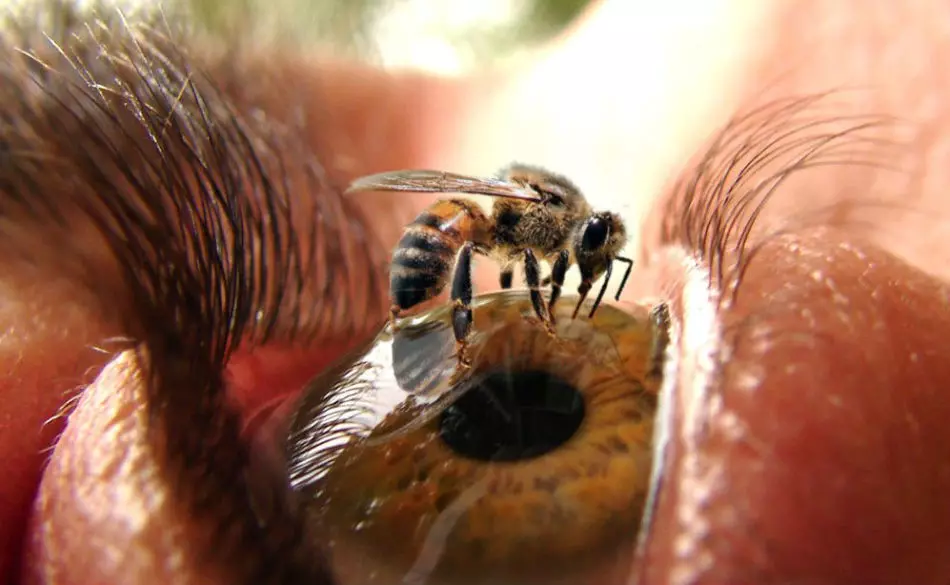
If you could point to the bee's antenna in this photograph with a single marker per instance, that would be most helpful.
(603, 289)
(626, 274)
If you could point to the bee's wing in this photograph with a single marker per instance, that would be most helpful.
(423, 181)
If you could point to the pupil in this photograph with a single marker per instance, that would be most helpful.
(512, 416)
(595, 235)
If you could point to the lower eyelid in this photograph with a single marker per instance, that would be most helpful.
(817, 443)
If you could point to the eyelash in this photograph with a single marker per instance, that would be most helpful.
(161, 150)
(714, 209)
(222, 175)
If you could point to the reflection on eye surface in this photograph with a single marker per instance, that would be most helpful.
(454, 488)
(532, 469)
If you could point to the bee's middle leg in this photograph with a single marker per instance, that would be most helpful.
(532, 273)
(462, 301)
(558, 272)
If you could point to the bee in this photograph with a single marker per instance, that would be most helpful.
(536, 216)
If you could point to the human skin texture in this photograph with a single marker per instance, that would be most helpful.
(809, 448)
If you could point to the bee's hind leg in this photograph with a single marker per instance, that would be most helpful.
(506, 278)
(462, 301)
(532, 273)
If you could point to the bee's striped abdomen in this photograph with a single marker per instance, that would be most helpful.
(426, 252)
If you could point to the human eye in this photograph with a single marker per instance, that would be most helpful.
(533, 468)
(765, 414)
(789, 335)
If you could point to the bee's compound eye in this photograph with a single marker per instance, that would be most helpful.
(533, 469)
(595, 234)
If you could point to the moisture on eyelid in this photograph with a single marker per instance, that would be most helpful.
(533, 470)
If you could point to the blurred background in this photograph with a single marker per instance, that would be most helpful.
(445, 36)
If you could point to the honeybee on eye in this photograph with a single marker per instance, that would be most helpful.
(536, 216)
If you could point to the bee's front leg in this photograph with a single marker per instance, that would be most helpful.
(532, 273)
(462, 301)
(587, 281)
(582, 291)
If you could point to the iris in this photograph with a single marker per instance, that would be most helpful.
(533, 468)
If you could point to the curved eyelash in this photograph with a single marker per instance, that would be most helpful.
(110, 139)
(200, 226)
(714, 210)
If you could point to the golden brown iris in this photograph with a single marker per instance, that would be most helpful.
(534, 469)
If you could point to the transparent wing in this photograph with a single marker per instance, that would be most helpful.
(424, 181)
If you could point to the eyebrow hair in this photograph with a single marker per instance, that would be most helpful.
(125, 168)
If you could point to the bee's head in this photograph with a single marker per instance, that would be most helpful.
(597, 240)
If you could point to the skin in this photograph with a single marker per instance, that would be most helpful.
(818, 461)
